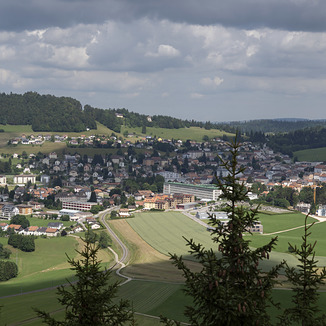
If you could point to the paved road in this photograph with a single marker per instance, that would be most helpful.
(125, 252)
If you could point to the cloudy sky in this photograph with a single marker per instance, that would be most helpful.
(216, 60)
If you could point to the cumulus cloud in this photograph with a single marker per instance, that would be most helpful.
(303, 15)
(143, 55)
(164, 50)
(211, 82)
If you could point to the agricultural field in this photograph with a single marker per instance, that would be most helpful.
(311, 155)
(156, 287)
(165, 231)
(280, 222)
(195, 133)
(145, 261)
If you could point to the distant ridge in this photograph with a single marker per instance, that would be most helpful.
(65, 114)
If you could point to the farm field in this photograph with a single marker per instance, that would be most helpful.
(146, 262)
(195, 133)
(311, 155)
(165, 231)
(45, 267)
(279, 222)
(150, 296)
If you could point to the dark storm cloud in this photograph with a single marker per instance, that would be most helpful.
(296, 15)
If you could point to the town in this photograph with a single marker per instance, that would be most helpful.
(150, 174)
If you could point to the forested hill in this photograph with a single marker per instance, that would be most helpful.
(44, 112)
(274, 125)
(51, 113)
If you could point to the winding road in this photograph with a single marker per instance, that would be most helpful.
(125, 252)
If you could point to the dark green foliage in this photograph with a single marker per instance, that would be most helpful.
(8, 270)
(4, 252)
(305, 280)
(93, 199)
(20, 220)
(282, 197)
(114, 214)
(96, 208)
(92, 237)
(104, 240)
(89, 301)
(65, 218)
(231, 288)
(22, 242)
(290, 142)
(44, 112)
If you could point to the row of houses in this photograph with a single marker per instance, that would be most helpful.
(164, 201)
(52, 230)
(8, 210)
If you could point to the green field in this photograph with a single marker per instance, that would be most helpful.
(311, 155)
(165, 231)
(11, 131)
(279, 222)
(193, 133)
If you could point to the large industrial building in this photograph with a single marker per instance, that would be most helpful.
(206, 191)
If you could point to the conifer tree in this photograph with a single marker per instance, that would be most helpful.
(231, 288)
(305, 280)
(90, 300)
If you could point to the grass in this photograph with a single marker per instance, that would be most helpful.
(150, 298)
(311, 155)
(153, 297)
(42, 222)
(146, 262)
(165, 231)
(294, 237)
(279, 222)
(193, 133)
(47, 266)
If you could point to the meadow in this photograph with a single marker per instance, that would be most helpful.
(165, 231)
(183, 134)
(156, 288)
(11, 131)
(311, 155)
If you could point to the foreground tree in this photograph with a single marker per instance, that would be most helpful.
(90, 301)
(231, 288)
(305, 280)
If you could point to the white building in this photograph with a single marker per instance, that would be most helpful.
(3, 180)
(200, 191)
(24, 178)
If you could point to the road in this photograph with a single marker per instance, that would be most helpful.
(125, 252)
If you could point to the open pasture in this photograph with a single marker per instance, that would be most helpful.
(47, 266)
(311, 155)
(280, 222)
(193, 133)
(151, 298)
(43, 222)
(165, 231)
(318, 232)
(145, 261)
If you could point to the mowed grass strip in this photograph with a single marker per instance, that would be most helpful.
(164, 231)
